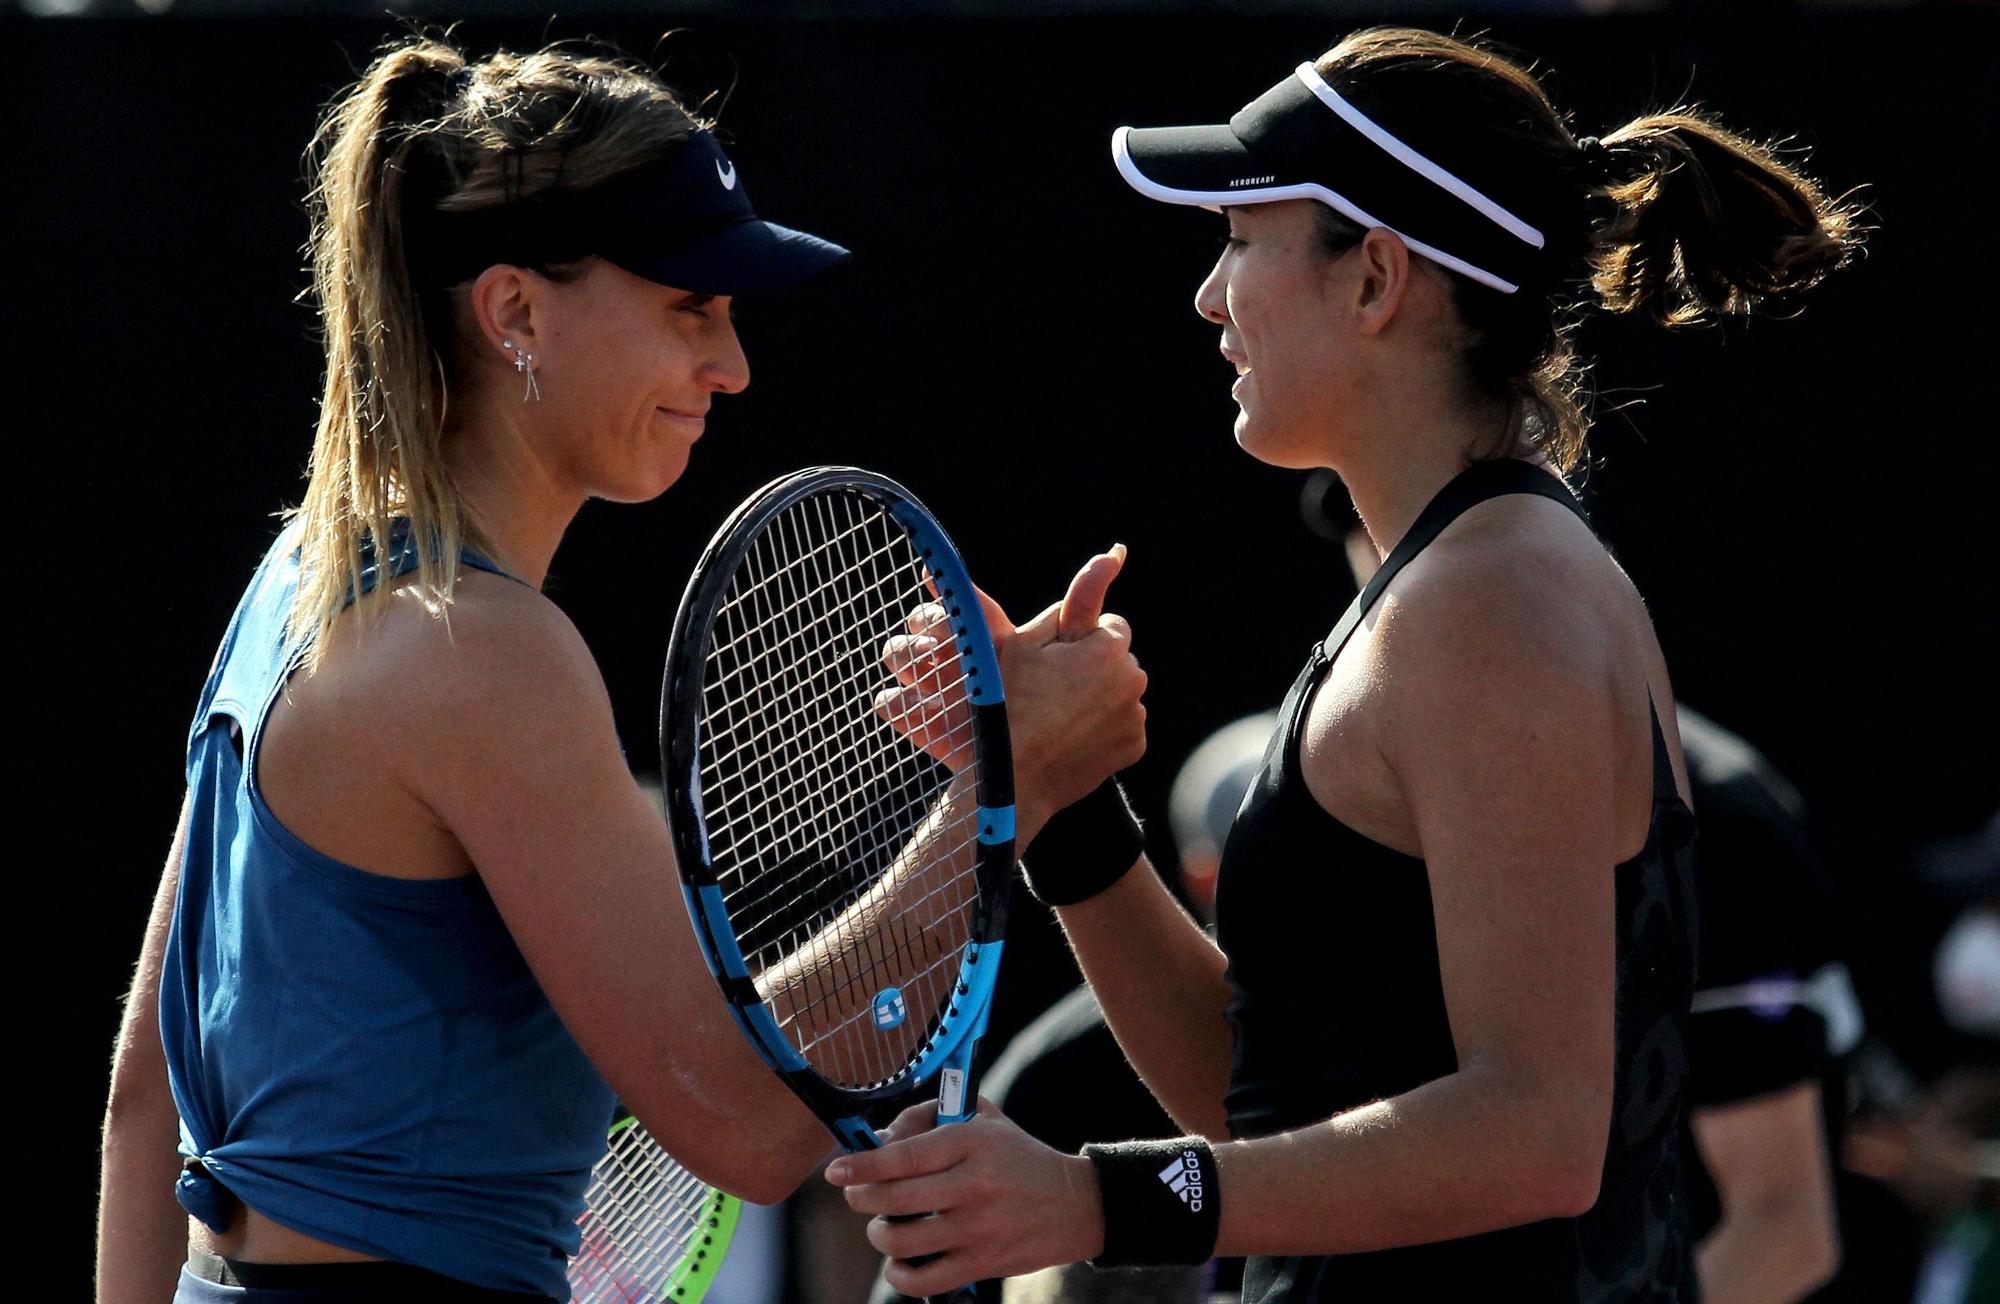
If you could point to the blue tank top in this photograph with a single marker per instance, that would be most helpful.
(364, 1059)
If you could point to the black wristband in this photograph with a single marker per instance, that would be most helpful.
(1085, 847)
(1162, 1203)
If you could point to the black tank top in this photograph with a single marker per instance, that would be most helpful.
(1337, 1002)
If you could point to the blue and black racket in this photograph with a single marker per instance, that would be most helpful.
(835, 758)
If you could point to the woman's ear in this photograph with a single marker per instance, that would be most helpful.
(503, 303)
(1382, 280)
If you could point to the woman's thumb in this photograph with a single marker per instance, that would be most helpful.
(1084, 602)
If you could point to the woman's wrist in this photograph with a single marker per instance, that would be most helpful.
(1160, 1202)
(1084, 848)
(1085, 1210)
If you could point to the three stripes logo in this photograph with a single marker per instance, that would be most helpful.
(1183, 1178)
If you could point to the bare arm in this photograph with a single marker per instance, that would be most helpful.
(1501, 697)
(141, 1230)
(1159, 979)
(506, 732)
(1777, 1240)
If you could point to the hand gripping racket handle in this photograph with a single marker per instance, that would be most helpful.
(957, 1102)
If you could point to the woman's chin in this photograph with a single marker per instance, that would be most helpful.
(651, 481)
(1273, 447)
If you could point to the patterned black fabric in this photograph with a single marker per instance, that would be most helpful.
(1337, 1002)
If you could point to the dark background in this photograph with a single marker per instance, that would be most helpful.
(1807, 504)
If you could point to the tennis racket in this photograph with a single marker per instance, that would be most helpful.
(651, 1229)
(841, 791)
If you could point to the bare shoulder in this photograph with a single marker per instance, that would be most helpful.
(1514, 658)
(500, 664)
(497, 639)
(1516, 590)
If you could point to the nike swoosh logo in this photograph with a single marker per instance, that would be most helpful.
(726, 175)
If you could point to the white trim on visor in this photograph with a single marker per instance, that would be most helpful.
(1414, 161)
(1121, 153)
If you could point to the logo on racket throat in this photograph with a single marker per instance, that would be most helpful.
(1183, 1178)
(890, 1008)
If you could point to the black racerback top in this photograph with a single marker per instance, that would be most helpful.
(1337, 1002)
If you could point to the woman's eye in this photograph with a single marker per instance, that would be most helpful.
(1232, 241)
(701, 305)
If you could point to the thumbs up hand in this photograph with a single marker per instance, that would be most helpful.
(1073, 694)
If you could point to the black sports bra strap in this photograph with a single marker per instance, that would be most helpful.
(1469, 488)
(1664, 787)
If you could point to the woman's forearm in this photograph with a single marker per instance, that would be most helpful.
(1160, 981)
(1468, 1153)
(141, 1230)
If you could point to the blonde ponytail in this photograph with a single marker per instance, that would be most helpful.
(427, 132)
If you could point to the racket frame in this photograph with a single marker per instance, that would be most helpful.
(950, 1048)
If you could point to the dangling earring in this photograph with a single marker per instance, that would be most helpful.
(525, 364)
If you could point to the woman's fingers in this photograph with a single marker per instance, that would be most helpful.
(938, 1276)
(935, 1193)
(910, 1238)
(928, 619)
(912, 658)
(1083, 604)
(918, 1118)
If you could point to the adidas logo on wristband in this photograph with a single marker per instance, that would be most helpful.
(1183, 1178)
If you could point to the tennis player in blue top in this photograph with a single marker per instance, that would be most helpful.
(419, 924)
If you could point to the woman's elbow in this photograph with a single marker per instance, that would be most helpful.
(759, 1156)
(1565, 1168)
(1571, 1191)
(1559, 1141)
(745, 1170)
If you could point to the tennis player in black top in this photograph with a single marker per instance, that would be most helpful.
(1437, 1050)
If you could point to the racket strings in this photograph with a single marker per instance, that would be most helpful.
(866, 743)
(812, 783)
(837, 970)
(750, 665)
(847, 865)
(642, 1212)
(821, 1016)
(867, 844)
(806, 697)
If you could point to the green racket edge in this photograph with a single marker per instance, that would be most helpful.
(691, 1280)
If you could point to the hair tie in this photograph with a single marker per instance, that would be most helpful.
(1595, 157)
(459, 79)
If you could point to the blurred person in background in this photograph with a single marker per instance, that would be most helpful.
(1773, 1018)
(1928, 1126)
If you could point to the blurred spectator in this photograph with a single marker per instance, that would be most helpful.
(1936, 1146)
(1772, 1012)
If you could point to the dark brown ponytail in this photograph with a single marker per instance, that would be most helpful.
(1670, 214)
(1708, 224)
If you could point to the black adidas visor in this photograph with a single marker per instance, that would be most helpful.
(683, 221)
(1303, 140)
